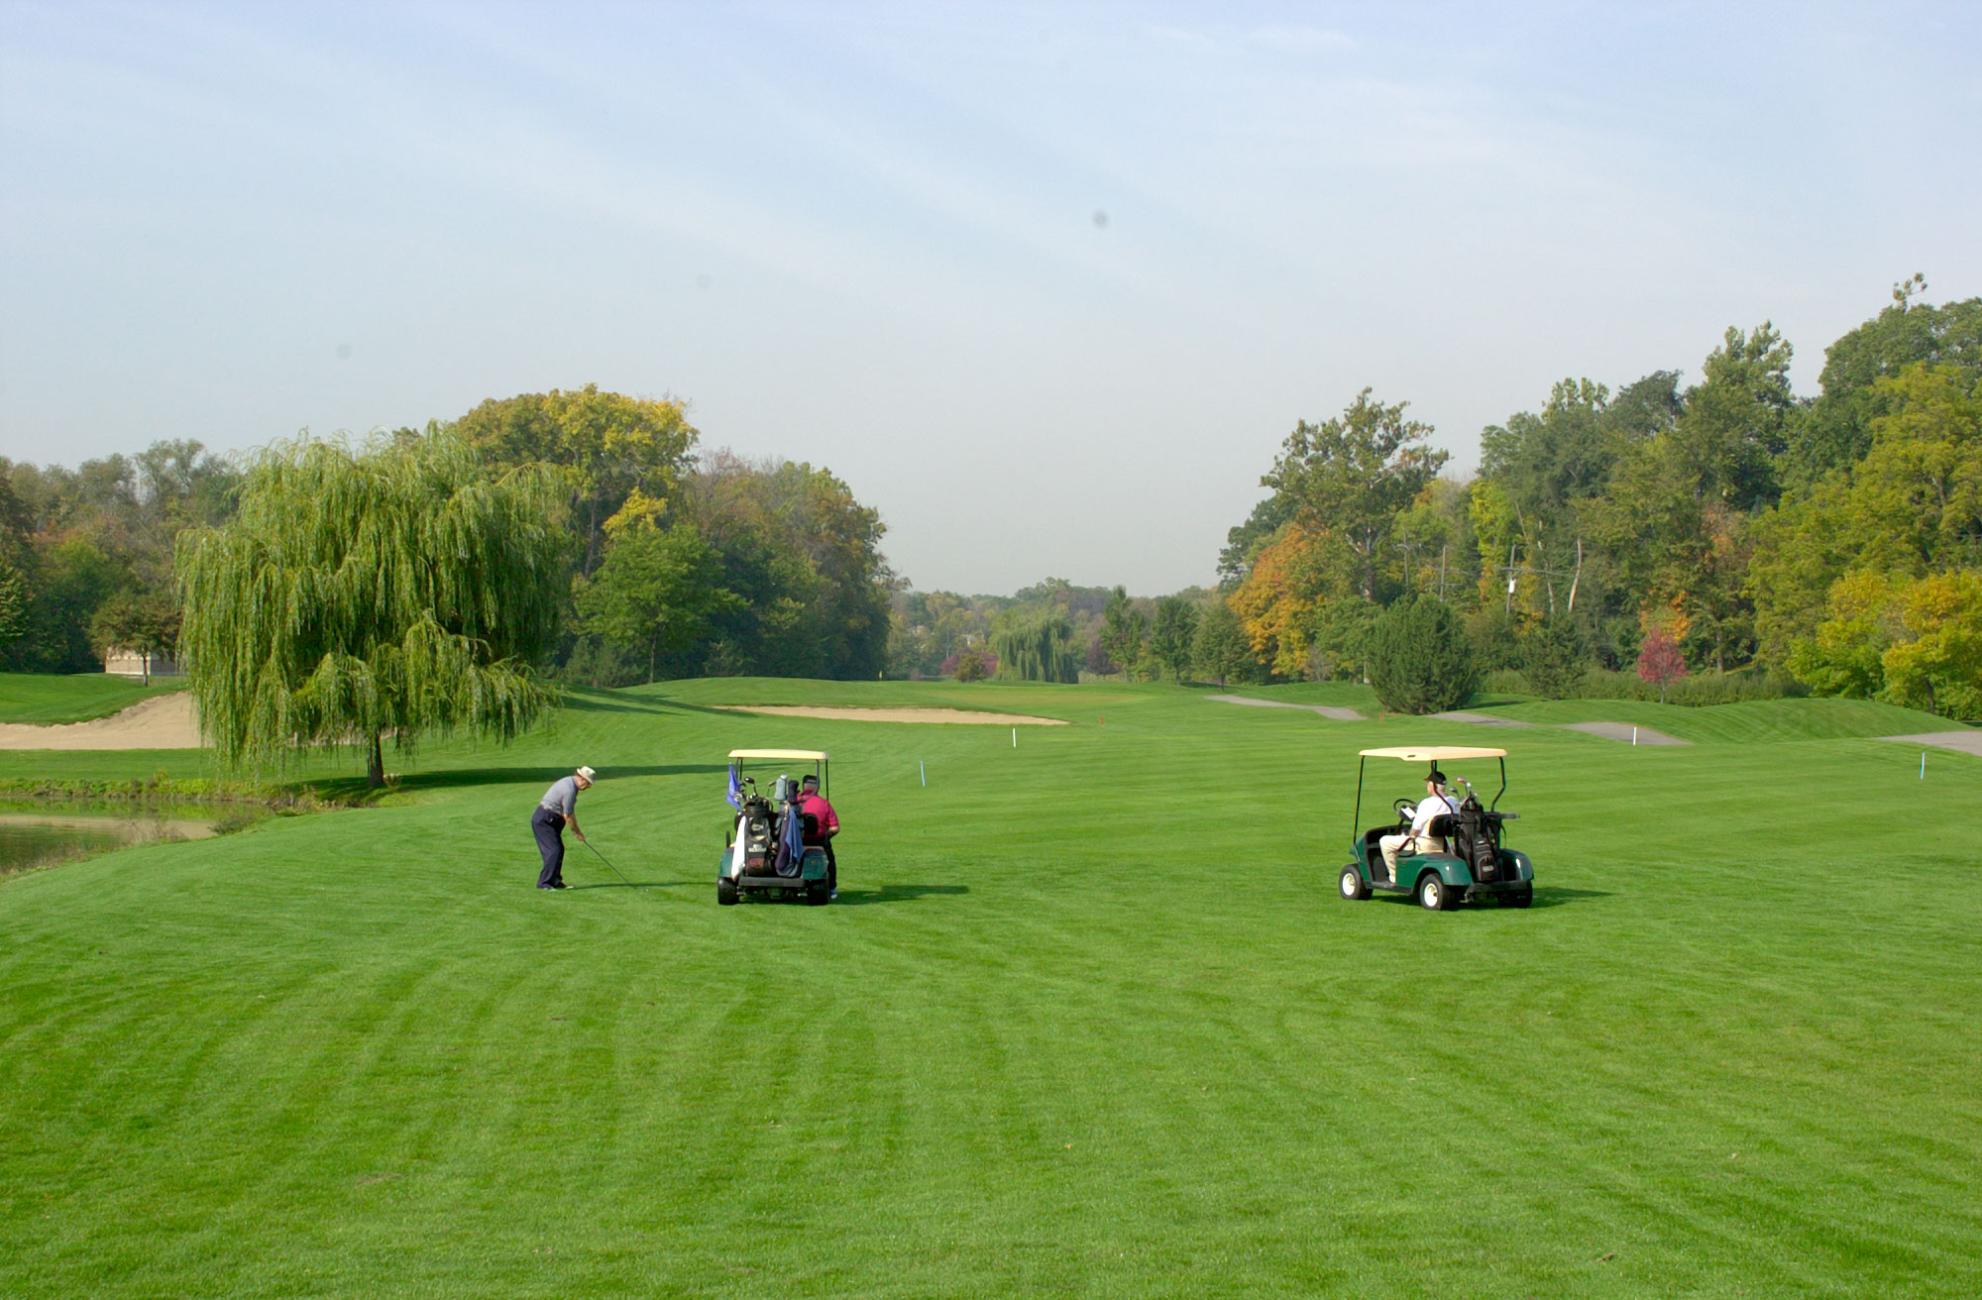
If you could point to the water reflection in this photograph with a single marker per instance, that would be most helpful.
(40, 833)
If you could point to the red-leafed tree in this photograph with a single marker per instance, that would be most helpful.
(1659, 661)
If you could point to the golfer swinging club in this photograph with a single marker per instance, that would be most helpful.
(558, 806)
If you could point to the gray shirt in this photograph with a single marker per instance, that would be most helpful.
(562, 797)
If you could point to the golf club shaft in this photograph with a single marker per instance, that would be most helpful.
(608, 861)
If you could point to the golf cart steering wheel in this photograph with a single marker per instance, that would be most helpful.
(1404, 808)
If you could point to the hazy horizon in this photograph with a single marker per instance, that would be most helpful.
(1038, 283)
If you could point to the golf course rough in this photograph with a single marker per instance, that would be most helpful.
(1088, 1018)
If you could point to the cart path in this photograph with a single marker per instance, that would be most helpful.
(1624, 731)
(162, 722)
(1968, 742)
(965, 717)
(1325, 710)
(1480, 719)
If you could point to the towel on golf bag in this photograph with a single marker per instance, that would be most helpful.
(791, 844)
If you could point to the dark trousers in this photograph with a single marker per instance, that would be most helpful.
(548, 827)
(832, 865)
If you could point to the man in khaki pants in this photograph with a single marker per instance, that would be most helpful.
(1419, 838)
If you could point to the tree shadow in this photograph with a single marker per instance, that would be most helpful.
(352, 790)
(895, 894)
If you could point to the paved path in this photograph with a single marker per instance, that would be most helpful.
(1325, 710)
(1968, 742)
(1623, 731)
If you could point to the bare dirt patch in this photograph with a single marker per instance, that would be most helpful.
(1968, 742)
(1625, 732)
(953, 717)
(162, 722)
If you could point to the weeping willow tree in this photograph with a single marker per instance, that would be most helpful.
(1036, 648)
(398, 588)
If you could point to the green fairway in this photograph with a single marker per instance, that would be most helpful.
(1089, 1017)
(43, 698)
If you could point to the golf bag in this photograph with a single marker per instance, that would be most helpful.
(759, 836)
(1476, 838)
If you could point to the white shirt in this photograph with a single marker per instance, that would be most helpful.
(1435, 805)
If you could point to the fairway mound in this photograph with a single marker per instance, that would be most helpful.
(164, 722)
(1483, 719)
(952, 717)
(1625, 732)
(1968, 742)
(1325, 710)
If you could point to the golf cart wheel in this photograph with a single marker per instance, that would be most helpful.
(818, 893)
(1519, 897)
(726, 893)
(1434, 895)
(1354, 888)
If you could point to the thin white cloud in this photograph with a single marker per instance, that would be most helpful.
(1302, 40)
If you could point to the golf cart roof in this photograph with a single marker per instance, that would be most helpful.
(801, 755)
(1432, 753)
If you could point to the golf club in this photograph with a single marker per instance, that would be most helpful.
(608, 861)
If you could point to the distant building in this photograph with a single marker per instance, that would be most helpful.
(129, 663)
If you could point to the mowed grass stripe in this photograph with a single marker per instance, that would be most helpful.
(1090, 1020)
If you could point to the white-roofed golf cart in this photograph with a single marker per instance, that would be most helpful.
(1475, 864)
(752, 862)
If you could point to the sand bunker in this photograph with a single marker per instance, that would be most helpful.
(952, 716)
(162, 722)
(1627, 733)
(1968, 742)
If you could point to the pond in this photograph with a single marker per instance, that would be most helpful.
(40, 833)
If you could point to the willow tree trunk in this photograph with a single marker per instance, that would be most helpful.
(375, 765)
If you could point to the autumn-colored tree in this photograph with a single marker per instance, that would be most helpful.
(1659, 662)
(611, 450)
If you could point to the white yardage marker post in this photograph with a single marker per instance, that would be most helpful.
(1015, 737)
(923, 772)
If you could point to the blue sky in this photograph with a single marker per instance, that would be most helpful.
(1045, 284)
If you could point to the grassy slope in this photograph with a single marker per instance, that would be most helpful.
(1088, 1018)
(46, 699)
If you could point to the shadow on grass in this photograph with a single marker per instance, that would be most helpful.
(895, 894)
(1563, 896)
(352, 789)
(636, 884)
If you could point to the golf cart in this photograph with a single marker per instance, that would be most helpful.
(764, 849)
(1476, 865)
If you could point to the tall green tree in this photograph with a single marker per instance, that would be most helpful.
(1347, 478)
(399, 588)
(1172, 632)
(1220, 651)
(1835, 431)
(142, 623)
(1123, 631)
(655, 592)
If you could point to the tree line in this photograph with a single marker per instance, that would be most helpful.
(1730, 528)
(672, 563)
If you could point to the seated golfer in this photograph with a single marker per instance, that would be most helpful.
(1419, 838)
(825, 825)
(558, 806)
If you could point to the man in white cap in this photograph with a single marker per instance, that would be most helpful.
(558, 806)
